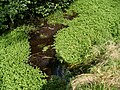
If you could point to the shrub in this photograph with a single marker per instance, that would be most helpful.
(56, 83)
(15, 73)
(14, 9)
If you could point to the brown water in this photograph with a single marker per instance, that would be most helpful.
(42, 52)
(41, 42)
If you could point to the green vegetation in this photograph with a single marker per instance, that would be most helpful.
(97, 23)
(75, 45)
(15, 73)
(56, 83)
(93, 35)
(14, 9)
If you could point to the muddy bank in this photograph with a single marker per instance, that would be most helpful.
(42, 52)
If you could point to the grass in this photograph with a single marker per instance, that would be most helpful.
(94, 87)
(15, 73)
(109, 67)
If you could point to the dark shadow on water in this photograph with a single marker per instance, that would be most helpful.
(64, 82)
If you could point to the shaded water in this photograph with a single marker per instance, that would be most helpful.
(42, 52)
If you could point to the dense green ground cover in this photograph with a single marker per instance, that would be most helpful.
(95, 32)
(15, 73)
(98, 21)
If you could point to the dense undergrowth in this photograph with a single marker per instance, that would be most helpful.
(15, 73)
(97, 22)
(87, 38)
(12, 10)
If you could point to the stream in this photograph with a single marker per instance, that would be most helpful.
(42, 51)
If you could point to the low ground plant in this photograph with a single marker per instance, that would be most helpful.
(97, 22)
(88, 36)
(15, 73)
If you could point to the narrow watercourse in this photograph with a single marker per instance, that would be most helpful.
(43, 55)
(42, 51)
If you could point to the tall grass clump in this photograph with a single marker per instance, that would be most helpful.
(15, 73)
(109, 67)
(95, 87)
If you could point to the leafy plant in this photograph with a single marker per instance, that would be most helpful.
(56, 83)
(97, 23)
(75, 44)
(15, 9)
(15, 73)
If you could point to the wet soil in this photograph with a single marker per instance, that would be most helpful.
(42, 51)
